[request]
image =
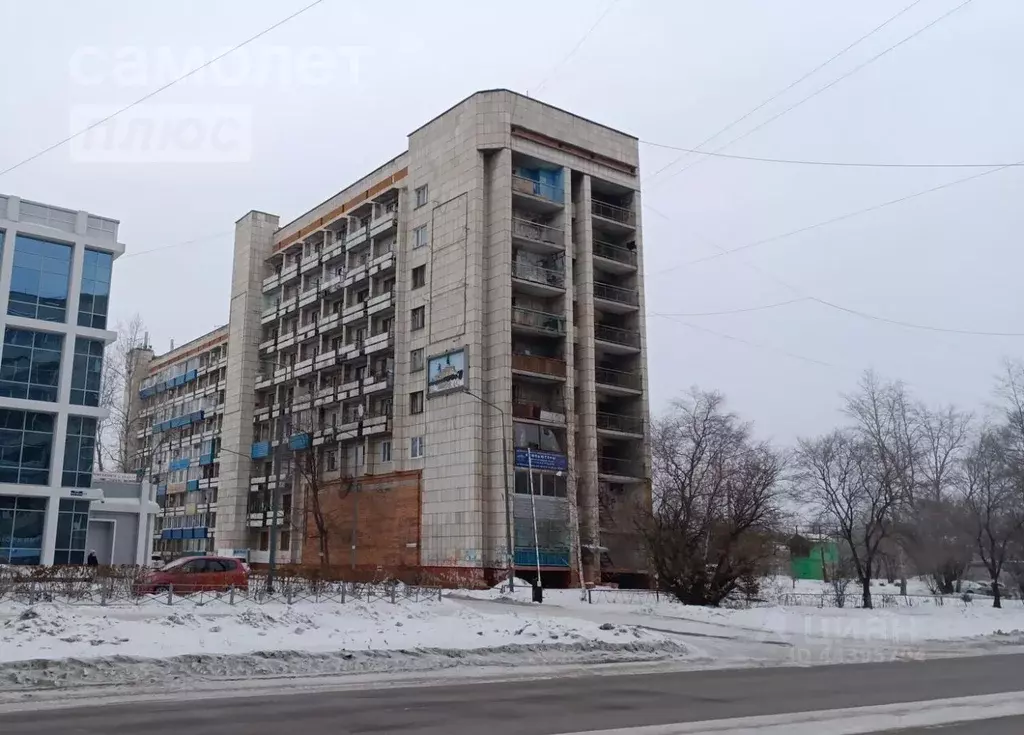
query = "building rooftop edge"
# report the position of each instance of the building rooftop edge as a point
(57, 206)
(525, 97)
(171, 354)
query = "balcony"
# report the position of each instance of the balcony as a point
(618, 381)
(382, 263)
(379, 342)
(537, 196)
(356, 237)
(549, 410)
(537, 322)
(333, 250)
(309, 262)
(615, 299)
(620, 468)
(616, 339)
(384, 224)
(353, 312)
(612, 218)
(615, 258)
(537, 280)
(535, 365)
(310, 295)
(537, 237)
(381, 302)
(375, 382)
(620, 424)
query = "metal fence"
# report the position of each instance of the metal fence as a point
(120, 592)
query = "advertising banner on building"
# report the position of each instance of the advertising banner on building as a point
(541, 460)
(446, 373)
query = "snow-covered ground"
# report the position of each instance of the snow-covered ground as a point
(54, 645)
(41, 644)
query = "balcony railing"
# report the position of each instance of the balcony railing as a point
(536, 232)
(620, 422)
(620, 295)
(538, 320)
(538, 189)
(526, 271)
(618, 378)
(618, 466)
(617, 253)
(535, 410)
(537, 364)
(617, 335)
(613, 212)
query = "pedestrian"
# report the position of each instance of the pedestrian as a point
(93, 561)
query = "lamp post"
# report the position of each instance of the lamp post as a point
(508, 496)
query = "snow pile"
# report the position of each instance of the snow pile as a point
(62, 644)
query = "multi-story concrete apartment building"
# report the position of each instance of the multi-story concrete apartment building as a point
(55, 271)
(466, 318)
(176, 420)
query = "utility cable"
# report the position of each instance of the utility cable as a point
(828, 86)
(575, 48)
(781, 92)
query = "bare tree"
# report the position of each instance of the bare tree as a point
(841, 478)
(715, 501)
(995, 503)
(117, 446)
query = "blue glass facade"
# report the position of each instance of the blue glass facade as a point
(39, 279)
(26, 443)
(72, 528)
(87, 372)
(79, 450)
(21, 529)
(30, 365)
(95, 296)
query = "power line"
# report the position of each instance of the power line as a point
(828, 86)
(802, 296)
(781, 92)
(733, 311)
(201, 238)
(158, 90)
(575, 48)
(758, 345)
(851, 164)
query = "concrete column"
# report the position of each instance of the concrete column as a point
(50, 525)
(584, 364)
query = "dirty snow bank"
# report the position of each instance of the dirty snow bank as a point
(60, 645)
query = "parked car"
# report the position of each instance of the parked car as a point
(197, 574)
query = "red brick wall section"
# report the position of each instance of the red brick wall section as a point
(385, 510)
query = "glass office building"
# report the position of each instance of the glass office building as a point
(55, 267)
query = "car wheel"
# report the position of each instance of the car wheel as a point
(160, 589)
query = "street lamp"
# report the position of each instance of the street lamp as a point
(508, 496)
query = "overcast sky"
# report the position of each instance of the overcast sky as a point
(332, 94)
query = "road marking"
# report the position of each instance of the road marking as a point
(850, 721)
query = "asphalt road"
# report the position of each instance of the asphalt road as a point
(1004, 726)
(546, 707)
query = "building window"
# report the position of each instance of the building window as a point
(39, 279)
(285, 541)
(21, 529)
(419, 236)
(332, 461)
(87, 371)
(30, 366)
(95, 296)
(419, 276)
(416, 447)
(544, 483)
(72, 528)
(419, 317)
(385, 451)
(421, 196)
(26, 441)
(416, 402)
(79, 450)
(416, 360)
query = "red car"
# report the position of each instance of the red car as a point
(197, 574)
